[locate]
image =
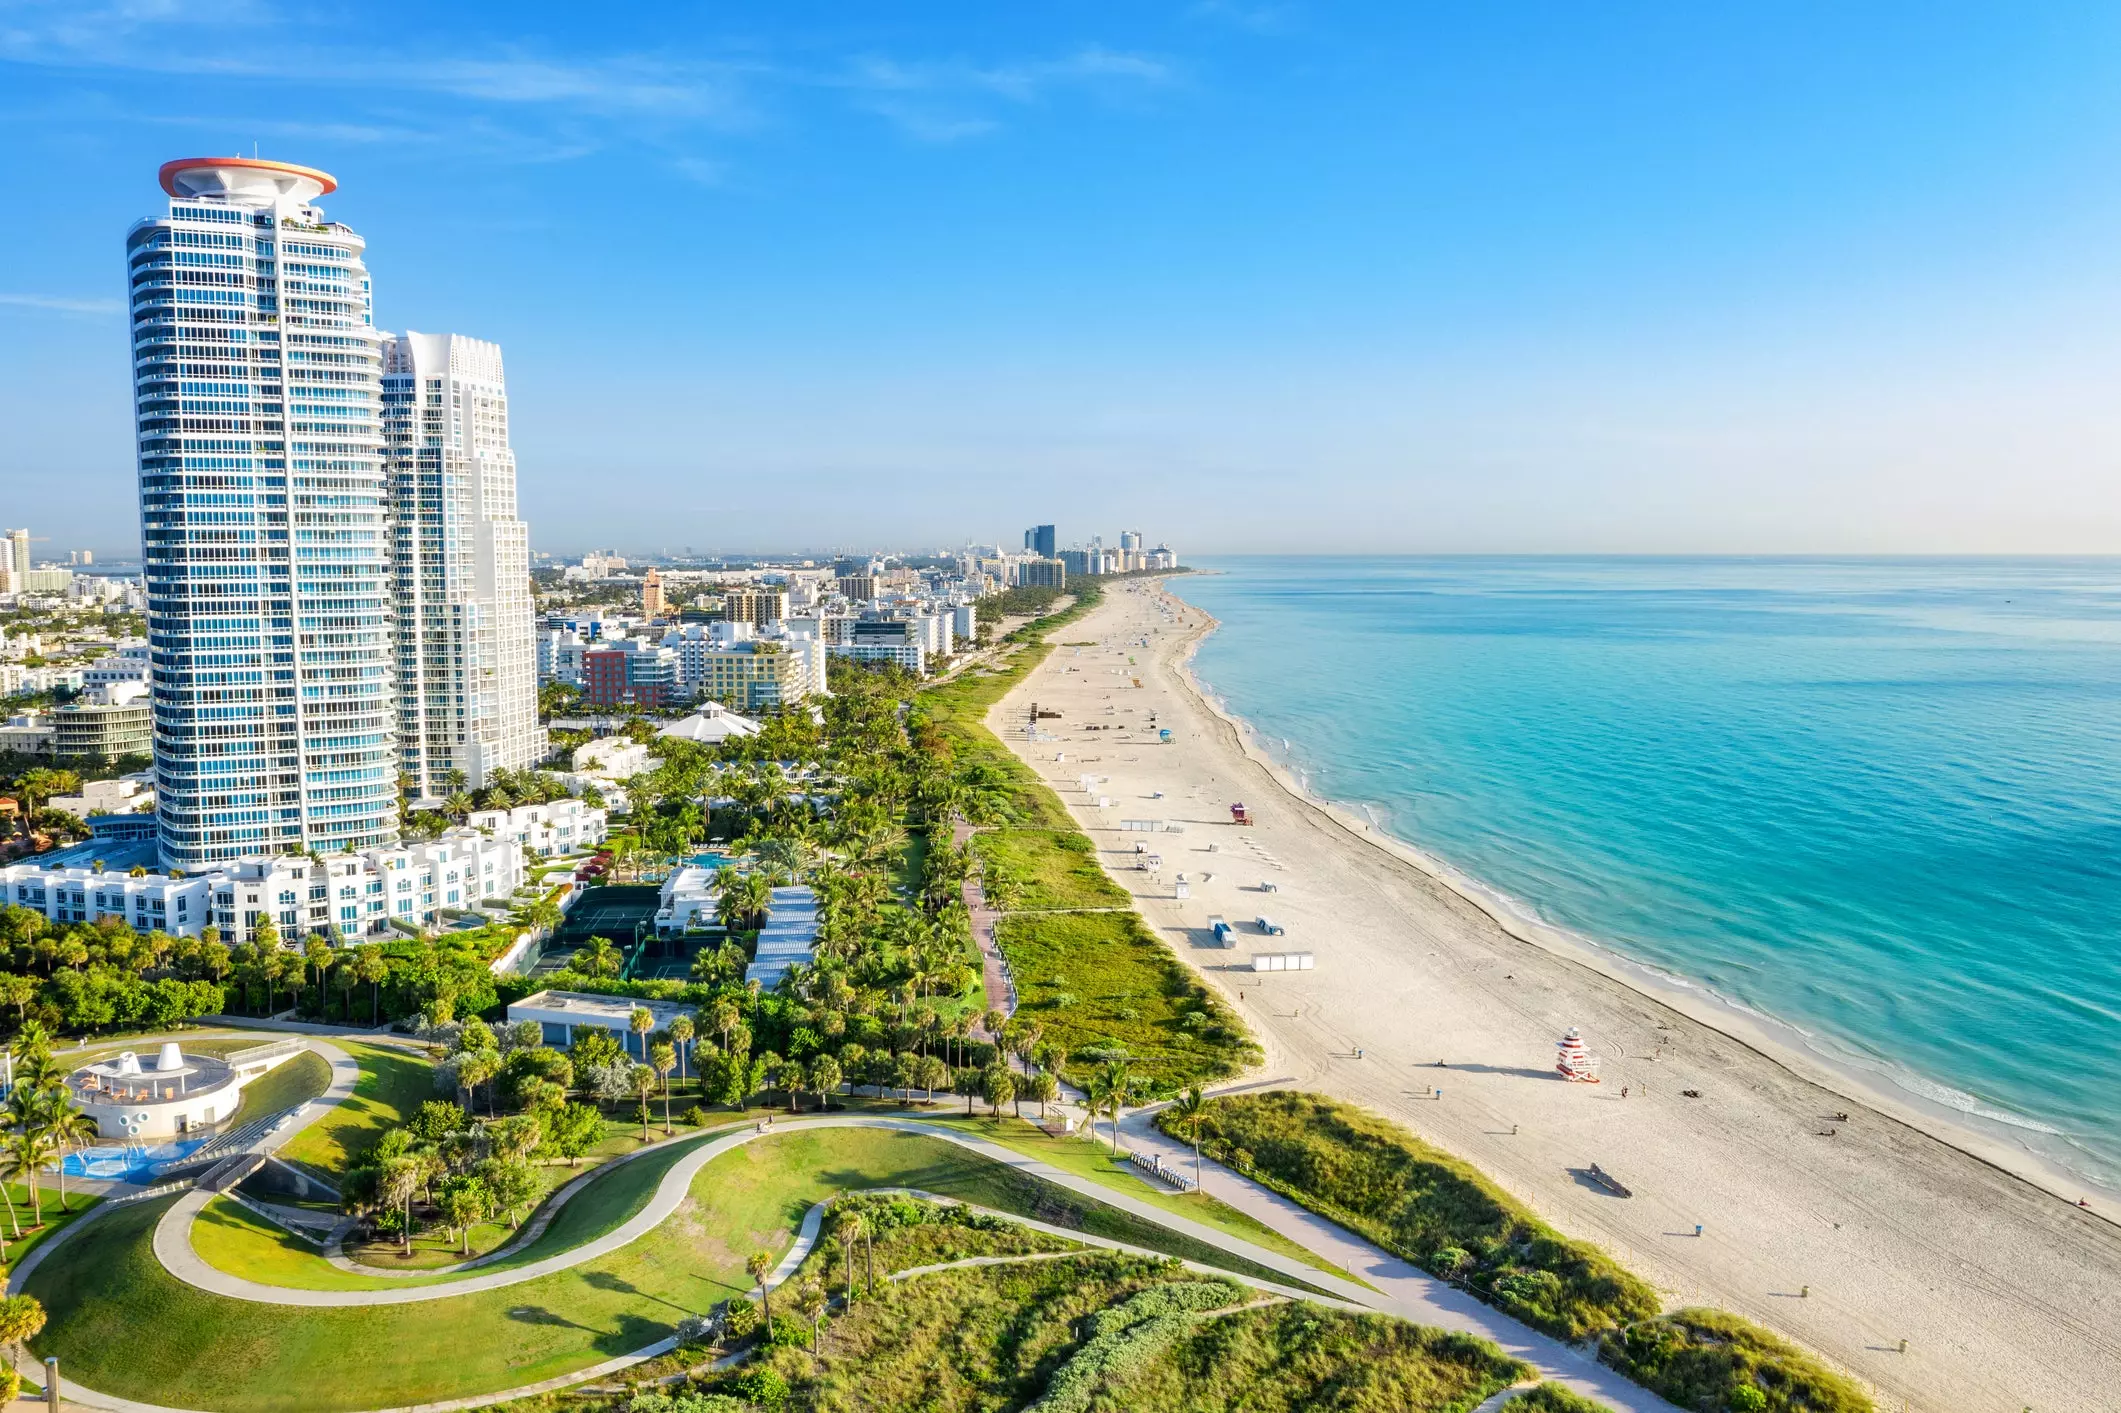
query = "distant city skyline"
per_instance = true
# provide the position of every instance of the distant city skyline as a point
(1790, 278)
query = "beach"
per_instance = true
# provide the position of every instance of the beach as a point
(1849, 1235)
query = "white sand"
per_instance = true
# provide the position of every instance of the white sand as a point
(2007, 1296)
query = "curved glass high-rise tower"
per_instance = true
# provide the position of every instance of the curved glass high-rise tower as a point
(258, 384)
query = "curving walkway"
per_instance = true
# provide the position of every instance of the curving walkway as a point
(335, 1250)
(173, 1248)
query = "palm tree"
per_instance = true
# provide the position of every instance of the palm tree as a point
(681, 1032)
(1187, 1113)
(641, 1021)
(810, 1304)
(643, 1086)
(69, 1126)
(477, 1067)
(599, 958)
(401, 1179)
(21, 1319)
(6, 1173)
(758, 1265)
(30, 1148)
(372, 969)
(1110, 1085)
(848, 1228)
(663, 1058)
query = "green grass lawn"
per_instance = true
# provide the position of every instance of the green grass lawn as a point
(1096, 980)
(1084, 1158)
(392, 1085)
(230, 1238)
(285, 1085)
(243, 1357)
(1035, 869)
(14, 1248)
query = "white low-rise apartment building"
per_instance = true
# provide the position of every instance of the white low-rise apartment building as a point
(688, 902)
(562, 827)
(357, 894)
(911, 656)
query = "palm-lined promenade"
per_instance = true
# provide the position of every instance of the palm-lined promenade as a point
(1852, 1243)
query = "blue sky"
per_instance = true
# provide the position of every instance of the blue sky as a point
(1244, 274)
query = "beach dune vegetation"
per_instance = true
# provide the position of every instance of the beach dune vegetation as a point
(1712, 1359)
(1101, 982)
(1104, 1331)
(1553, 1398)
(1382, 1182)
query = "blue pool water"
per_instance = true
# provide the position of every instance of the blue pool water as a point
(130, 1162)
(1879, 800)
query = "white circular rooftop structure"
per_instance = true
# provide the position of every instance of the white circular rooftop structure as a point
(248, 181)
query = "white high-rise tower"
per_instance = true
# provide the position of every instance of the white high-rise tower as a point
(467, 651)
(258, 383)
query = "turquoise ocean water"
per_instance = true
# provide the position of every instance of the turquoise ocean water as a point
(1878, 800)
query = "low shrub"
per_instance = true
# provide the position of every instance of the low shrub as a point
(1127, 1335)
(1553, 1398)
(764, 1387)
(1714, 1360)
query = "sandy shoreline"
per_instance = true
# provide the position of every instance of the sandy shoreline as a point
(2008, 1297)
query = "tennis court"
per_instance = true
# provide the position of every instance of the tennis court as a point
(615, 912)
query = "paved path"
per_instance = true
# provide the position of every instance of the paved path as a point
(173, 1248)
(1001, 993)
(335, 1252)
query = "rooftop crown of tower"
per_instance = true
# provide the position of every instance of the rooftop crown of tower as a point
(246, 181)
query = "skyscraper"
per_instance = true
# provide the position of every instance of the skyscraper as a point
(258, 390)
(1040, 540)
(466, 648)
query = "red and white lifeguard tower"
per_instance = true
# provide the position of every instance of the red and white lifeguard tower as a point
(1576, 1064)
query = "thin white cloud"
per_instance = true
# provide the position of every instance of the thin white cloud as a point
(62, 304)
(599, 99)
(1021, 82)
(923, 125)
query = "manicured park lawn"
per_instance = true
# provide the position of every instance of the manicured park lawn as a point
(393, 1084)
(13, 1249)
(285, 1085)
(106, 1289)
(233, 1239)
